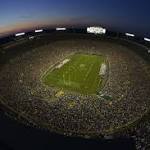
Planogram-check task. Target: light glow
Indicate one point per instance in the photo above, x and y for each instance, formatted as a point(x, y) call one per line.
point(147, 39)
point(31, 37)
point(37, 31)
point(60, 29)
point(19, 34)
point(96, 30)
point(129, 34)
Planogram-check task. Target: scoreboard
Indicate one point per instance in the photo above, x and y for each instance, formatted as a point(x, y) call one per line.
point(96, 30)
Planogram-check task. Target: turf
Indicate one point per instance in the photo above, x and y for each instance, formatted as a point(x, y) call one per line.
point(80, 74)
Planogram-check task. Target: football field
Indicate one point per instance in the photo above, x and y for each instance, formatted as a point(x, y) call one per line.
point(78, 73)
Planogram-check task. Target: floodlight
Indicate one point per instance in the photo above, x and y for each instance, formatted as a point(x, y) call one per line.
point(129, 34)
point(148, 51)
point(96, 30)
point(19, 34)
point(37, 31)
point(147, 39)
point(60, 29)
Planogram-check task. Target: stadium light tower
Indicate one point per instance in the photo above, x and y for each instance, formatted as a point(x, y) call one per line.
point(40, 30)
point(96, 30)
point(147, 39)
point(60, 29)
point(20, 34)
point(129, 34)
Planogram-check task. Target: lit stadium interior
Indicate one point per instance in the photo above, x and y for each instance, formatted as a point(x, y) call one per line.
point(85, 82)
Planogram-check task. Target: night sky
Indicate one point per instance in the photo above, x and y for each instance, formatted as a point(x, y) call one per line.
point(118, 15)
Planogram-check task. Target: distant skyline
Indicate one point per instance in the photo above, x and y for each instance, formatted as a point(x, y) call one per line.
point(124, 16)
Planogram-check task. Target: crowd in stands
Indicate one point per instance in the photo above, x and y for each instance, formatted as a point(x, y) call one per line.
point(128, 84)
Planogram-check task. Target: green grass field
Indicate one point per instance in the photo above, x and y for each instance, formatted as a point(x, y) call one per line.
point(80, 74)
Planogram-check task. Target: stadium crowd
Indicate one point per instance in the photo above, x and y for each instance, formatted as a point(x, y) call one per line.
point(127, 86)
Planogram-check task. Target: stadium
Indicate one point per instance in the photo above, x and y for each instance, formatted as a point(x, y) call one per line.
point(76, 84)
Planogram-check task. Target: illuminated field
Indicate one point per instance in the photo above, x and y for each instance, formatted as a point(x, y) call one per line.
point(79, 73)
